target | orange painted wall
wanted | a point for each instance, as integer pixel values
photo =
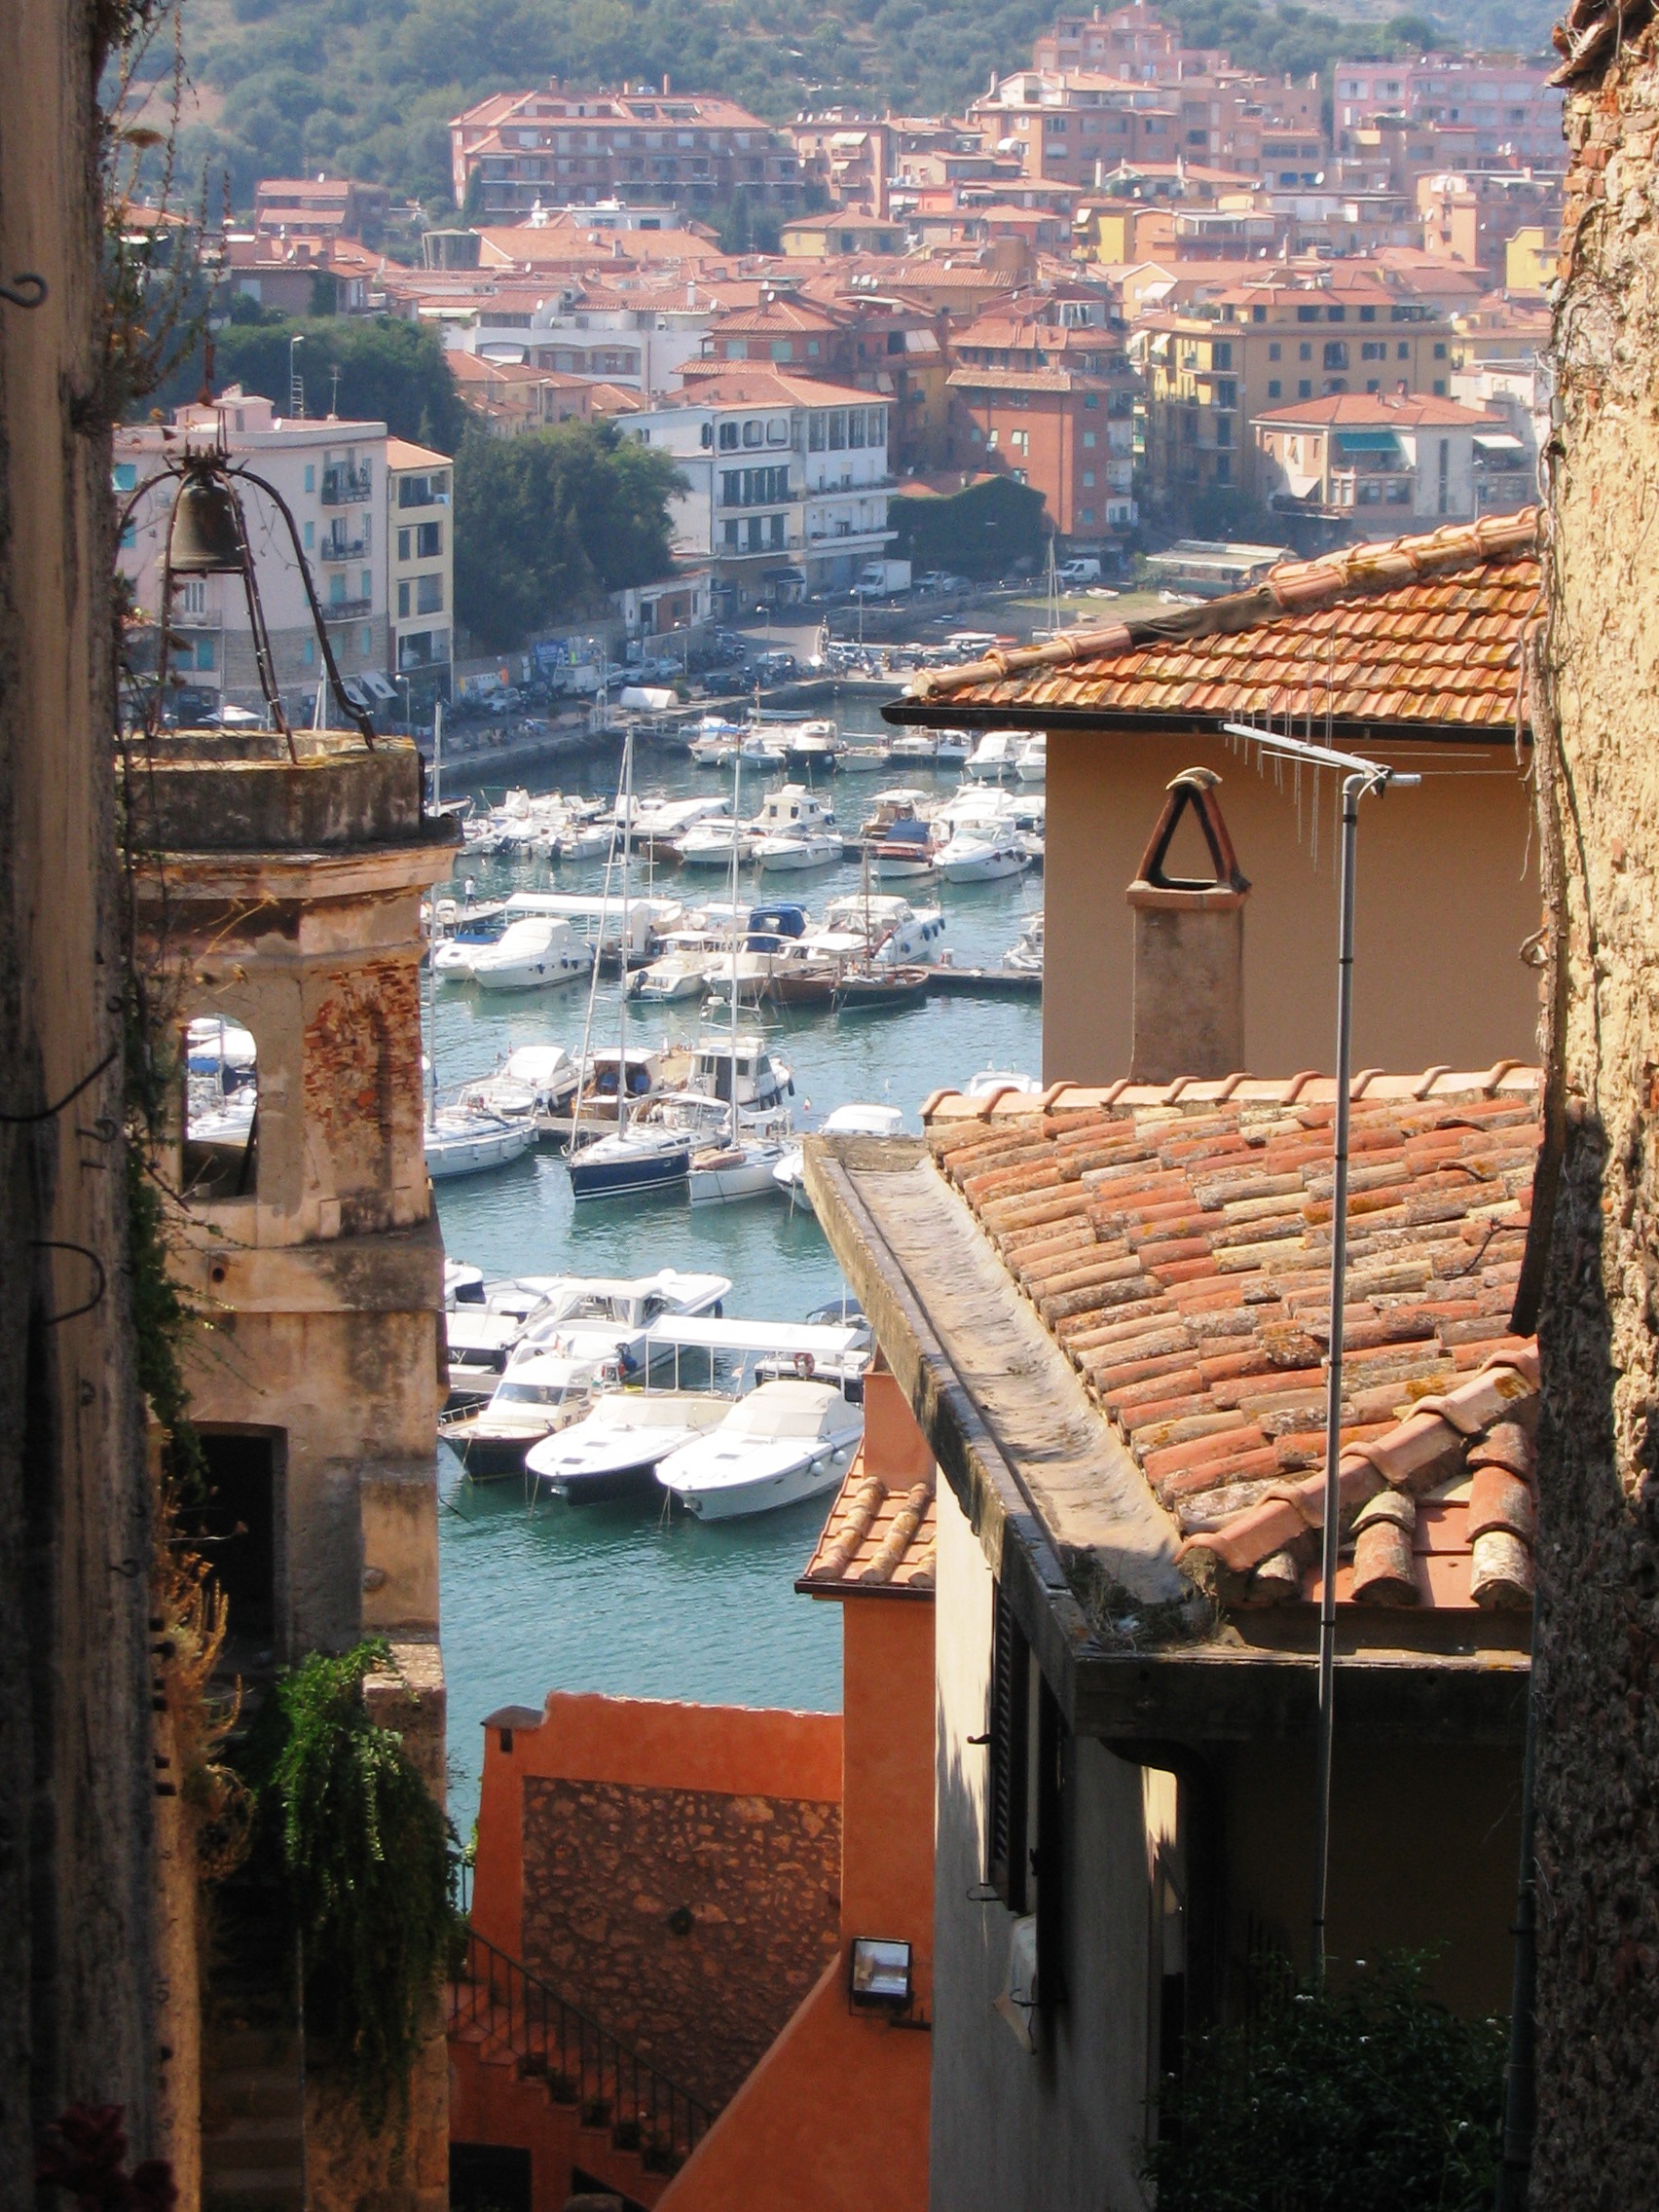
(646, 1742)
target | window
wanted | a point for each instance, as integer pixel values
(1008, 1726)
(1439, 387)
(730, 438)
(1275, 388)
(753, 433)
(1226, 392)
(1224, 469)
(428, 594)
(205, 653)
(310, 537)
(1274, 350)
(1403, 351)
(403, 542)
(1440, 349)
(403, 601)
(337, 590)
(365, 640)
(1336, 314)
(837, 429)
(1368, 314)
(310, 476)
(1304, 389)
(1336, 355)
(1258, 315)
(1089, 439)
(308, 651)
(1085, 514)
(1305, 352)
(366, 578)
(777, 529)
(857, 421)
(729, 535)
(429, 540)
(125, 477)
(1372, 384)
(782, 350)
(1089, 479)
(1307, 315)
(817, 432)
(1374, 350)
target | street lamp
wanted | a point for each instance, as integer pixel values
(296, 397)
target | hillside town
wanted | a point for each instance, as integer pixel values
(828, 1163)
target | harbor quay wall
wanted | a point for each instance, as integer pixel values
(672, 1869)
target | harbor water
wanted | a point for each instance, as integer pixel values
(617, 1598)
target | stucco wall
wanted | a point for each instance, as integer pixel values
(1060, 2130)
(1447, 893)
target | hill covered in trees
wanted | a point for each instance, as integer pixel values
(365, 87)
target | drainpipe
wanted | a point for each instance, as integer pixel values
(1520, 2098)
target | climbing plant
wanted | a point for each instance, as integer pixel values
(369, 1865)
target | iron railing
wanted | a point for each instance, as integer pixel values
(582, 2063)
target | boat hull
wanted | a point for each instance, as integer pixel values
(492, 1454)
(617, 1177)
(771, 1490)
(472, 1155)
(742, 1178)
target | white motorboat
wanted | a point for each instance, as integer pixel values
(462, 1142)
(989, 1080)
(993, 757)
(854, 1121)
(534, 1398)
(915, 745)
(1025, 956)
(792, 854)
(888, 927)
(614, 1448)
(584, 842)
(681, 973)
(814, 746)
(791, 811)
(463, 1285)
(708, 844)
(951, 747)
(532, 1079)
(1031, 761)
(740, 1164)
(532, 955)
(585, 1320)
(980, 853)
(787, 1441)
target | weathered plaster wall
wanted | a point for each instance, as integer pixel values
(77, 1989)
(1447, 892)
(1597, 1551)
(609, 1866)
(1060, 2130)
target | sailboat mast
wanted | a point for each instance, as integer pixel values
(622, 955)
(736, 814)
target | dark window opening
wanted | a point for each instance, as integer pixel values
(235, 1532)
(488, 2177)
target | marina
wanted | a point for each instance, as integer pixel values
(616, 1596)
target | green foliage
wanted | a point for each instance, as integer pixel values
(548, 523)
(368, 1862)
(1369, 2099)
(981, 530)
(390, 372)
(366, 89)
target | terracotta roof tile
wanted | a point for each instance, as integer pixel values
(1179, 1249)
(1425, 632)
(876, 1539)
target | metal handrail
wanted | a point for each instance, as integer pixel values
(585, 2063)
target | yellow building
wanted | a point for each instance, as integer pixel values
(421, 573)
(1266, 344)
(1529, 259)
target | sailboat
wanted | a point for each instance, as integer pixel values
(637, 1156)
(742, 1166)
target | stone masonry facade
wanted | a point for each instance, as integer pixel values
(689, 1923)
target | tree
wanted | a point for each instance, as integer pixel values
(980, 531)
(1596, 1691)
(548, 523)
(390, 372)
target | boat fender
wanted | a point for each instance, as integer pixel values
(805, 1366)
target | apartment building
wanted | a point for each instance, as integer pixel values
(420, 539)
(1471, 215)
(320, 209)
(787, 481)
(1288, 338)
(332, 476)
(1074, 129)
(1377, 465)
(849, 158)
(1044, 390)
(521, 148)
(1505, 105)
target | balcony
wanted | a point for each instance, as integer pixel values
(344, 487)
(348, 609)
(337, 546)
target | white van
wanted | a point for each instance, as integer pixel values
(1083, 571)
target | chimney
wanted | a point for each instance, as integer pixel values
(1189, 968)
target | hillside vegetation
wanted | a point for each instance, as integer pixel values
(366, 87)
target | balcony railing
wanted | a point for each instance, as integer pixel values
(581, 2063)
(346, 610)
(336, 546)
(344, 487)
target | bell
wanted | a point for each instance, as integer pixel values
(206, 538)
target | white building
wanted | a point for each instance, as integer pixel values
(419, 541)
(332, 475)
(640, 340)
(1382, 462)
(789, 481)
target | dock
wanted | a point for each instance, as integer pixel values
(984, 983)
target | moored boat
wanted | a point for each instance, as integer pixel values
(787, 1441)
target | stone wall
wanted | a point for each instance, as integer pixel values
(690, 1923)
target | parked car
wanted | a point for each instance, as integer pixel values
(1083, 571)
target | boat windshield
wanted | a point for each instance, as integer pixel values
(764, 1415)
(531, 1394)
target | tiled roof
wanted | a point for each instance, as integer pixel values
(876, 1539)
(1425, 632)
(1443, 1507)
(1355, 410)
(1175, 1242)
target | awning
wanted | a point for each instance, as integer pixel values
(1500, 442)
(378, 686)
(1368, 441)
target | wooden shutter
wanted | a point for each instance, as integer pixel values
(1007, 1727)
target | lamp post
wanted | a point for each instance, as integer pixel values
(296, 396)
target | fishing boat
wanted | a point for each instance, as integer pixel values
(639, 1155)
(614, 1448)
(873, 988)
(740, 1067)
(785, 1441)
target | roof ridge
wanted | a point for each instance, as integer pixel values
(1292, 587)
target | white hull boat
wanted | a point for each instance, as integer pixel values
(855, 1121)
(785, 1442)
(982, 859)
(742, 1170)
(461, 1143)
(791, 855)
(614, 1450)
(1031, 761)
(532, 955)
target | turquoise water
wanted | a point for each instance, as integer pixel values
(613, 1598)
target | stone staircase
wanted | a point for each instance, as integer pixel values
(253, 2120)
(531, 2071)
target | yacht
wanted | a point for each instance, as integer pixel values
(680, 972)
(639, 1155)
(462, 1142)
(787, 1441)
(585, 1320)
(813, 747)
(1031, 761)
(1025, 956)
(888, 928)
(532, 1079)
(614, 1448)
(983, 853)
(993, 757)
(532, 955)
(854, 1121)
(791, 811)
(796, 850)
(534, 1398)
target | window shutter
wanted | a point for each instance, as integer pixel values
(1010, 1698)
